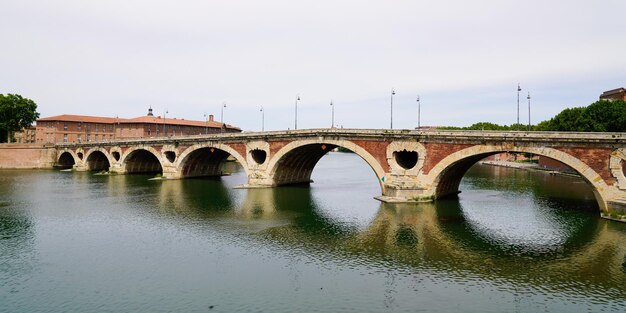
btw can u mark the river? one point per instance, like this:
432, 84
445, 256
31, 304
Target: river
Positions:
514, 241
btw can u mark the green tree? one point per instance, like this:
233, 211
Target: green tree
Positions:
487, 126
16, 112
600, 116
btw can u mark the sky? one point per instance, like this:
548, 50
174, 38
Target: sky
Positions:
187, 58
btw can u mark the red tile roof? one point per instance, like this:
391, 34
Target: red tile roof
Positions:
137, 120
81, 118
174, 121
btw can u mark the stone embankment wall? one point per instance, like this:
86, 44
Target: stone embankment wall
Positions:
24, 156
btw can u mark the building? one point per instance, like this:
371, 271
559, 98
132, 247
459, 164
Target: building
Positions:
615, 94
26, 135
80, 128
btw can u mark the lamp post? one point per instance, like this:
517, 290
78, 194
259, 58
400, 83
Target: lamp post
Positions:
518, 90
332, 114
296, 120
528, 110
222, 116
393, 92
262, 119
418, 111
164, 131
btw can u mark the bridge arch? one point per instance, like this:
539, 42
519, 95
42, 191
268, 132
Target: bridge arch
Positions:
205, 159
98, 159
447, 174
294, 162
142, 159
67, 159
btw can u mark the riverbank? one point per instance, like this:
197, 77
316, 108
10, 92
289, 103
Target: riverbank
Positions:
528, 166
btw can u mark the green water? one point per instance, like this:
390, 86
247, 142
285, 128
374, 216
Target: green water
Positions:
515, 241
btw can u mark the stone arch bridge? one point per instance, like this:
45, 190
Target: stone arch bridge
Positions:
410, 165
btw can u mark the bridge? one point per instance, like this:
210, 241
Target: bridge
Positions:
411, 166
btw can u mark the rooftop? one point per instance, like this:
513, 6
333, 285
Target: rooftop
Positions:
142, 119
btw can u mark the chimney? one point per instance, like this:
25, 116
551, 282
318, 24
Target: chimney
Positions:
210, 117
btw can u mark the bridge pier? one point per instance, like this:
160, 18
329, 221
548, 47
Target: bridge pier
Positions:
170, 171
117, 168
404, 189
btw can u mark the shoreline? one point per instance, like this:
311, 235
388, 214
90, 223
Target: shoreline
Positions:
528, 166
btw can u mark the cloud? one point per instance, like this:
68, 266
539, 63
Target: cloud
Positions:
464, 58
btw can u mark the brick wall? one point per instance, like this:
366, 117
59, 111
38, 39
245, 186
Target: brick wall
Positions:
25, 156
554, 164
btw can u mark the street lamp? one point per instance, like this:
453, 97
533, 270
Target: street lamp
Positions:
296, 122
518, 90
262, 119
164, 114
332, 114
528, 110
222, 116
418, 112
393, 92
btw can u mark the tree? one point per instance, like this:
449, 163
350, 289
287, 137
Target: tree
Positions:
600, 116
16, 112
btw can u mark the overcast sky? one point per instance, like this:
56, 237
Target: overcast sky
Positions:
464, 59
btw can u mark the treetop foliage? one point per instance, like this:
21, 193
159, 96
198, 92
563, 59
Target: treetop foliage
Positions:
600, 116
16, 112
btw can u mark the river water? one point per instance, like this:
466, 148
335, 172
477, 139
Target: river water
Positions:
514, 241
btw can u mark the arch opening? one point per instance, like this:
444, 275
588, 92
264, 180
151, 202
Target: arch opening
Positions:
66, 161
259, 156
208, 162
296, 166
406, 159
142, 161
80, 155
449, 179
97, 161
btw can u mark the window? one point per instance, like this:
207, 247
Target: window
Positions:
64, 126
95, 137
111, 128
78, 137
88, 137
64, 137
80, 125
88, 127
96, 126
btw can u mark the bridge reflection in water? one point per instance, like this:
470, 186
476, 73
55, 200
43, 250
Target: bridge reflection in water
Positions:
514, 240
564, 249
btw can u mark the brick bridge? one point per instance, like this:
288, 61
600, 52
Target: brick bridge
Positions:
410, 165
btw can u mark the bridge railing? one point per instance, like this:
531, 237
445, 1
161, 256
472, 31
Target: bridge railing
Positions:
407, 134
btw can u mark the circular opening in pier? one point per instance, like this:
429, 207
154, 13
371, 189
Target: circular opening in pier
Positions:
80, 155
116, 155
258, 156
170, 156
406, 159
